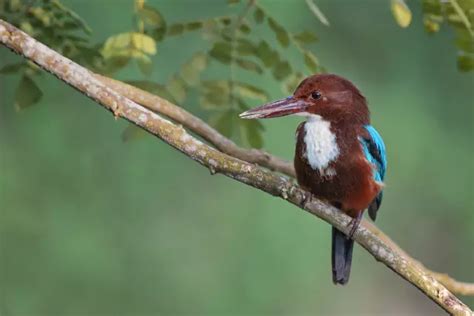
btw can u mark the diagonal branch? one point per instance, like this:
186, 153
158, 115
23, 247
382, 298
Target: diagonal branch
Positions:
198, 126
218, 162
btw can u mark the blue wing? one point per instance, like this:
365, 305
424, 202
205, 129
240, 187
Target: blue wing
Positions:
374, 150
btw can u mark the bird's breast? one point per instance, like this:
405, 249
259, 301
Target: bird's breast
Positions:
320, 144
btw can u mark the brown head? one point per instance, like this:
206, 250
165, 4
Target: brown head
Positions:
330, 96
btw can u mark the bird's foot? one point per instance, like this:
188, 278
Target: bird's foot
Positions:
306, 200
355, 224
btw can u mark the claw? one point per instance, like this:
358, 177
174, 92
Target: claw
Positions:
355, 224
307, 199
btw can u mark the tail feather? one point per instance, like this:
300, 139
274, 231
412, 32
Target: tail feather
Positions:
341, 257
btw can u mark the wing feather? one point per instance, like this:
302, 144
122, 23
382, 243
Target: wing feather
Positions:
374, 150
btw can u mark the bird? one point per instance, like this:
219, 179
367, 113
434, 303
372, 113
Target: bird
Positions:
339, 157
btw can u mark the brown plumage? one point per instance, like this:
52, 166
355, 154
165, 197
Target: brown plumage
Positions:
352, 188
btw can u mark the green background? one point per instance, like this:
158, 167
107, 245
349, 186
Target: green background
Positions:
92, 226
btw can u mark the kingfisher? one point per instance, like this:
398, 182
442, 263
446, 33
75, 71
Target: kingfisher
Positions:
339, 158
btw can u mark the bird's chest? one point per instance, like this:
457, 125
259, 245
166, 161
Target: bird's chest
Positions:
318, 147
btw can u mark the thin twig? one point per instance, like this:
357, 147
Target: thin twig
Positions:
250, 174
462, 16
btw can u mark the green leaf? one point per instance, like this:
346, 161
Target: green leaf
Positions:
150, 16
115, 63
280, 32
191, 26
214, 100
281, 70
116, 43
224, 122
217, 85
12, 68
27, 27
311, 61
15, 5
249, 65
233, 1
73, 16
191, 70
217, 94
145, 65
158, 34
144, 43
222, 52
244, 28
176, 29
317, 12
305, 37
132, 133
245, 47
466, 62
27, 93
258, 15
250, 91
292, 82
401, 12
432, 7
253, 133
464, 41
42, 15
226, 21
131, 44
242, 105
430, 25
266, 54
176, 87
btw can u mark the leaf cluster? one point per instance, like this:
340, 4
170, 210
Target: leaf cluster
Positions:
459, 14
55, 25
232, 42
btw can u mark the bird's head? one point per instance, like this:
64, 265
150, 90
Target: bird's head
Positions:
332, 97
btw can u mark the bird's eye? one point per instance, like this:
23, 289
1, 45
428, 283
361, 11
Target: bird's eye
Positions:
316, 95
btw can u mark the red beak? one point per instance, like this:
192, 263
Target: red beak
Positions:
275, 109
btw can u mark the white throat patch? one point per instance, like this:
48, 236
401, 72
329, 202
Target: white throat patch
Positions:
321, 145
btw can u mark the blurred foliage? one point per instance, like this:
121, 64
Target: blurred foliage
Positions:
232, 43
459, 14
54, 24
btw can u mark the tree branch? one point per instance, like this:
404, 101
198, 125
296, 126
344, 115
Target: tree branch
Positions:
198, 126
218, 162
